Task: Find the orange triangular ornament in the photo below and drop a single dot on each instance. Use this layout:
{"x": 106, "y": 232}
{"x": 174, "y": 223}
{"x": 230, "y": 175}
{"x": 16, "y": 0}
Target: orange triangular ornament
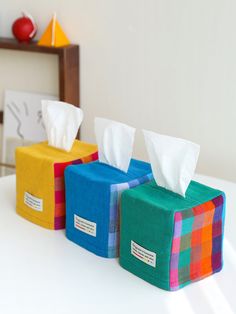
{"x": 53, "y": 35}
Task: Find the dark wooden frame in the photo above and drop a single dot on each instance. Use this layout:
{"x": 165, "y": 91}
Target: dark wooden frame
{"x": 68, "y": 62}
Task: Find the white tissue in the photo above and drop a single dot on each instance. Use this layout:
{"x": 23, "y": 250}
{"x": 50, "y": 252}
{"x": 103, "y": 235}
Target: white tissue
{"x": 115, "y": 143}
{"x": 62, "y": 121}
{"x": 173, "y": 160}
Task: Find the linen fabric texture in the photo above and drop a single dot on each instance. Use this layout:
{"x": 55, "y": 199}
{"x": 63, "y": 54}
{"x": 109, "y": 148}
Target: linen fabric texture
{"x": 40, "y": 174}
{"x": 185, "y": 234}
{"x": 92, "y": 201}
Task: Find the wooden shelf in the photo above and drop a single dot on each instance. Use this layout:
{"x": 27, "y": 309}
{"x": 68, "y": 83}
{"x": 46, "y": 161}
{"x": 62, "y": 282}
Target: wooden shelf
{"x": 13, "y": 44}
{"x": 68, "y": 62}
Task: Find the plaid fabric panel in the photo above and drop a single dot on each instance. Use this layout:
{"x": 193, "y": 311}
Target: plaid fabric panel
{"x": 197, "y": 243}
{"x": 59, "y": 184}
{"x": 114, "y": 227}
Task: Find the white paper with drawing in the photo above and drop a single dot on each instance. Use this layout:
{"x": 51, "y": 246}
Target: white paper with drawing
{"x": 23, "y": 122}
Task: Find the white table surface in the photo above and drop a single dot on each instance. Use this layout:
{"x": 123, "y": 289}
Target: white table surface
{"x": 42, "y": 272}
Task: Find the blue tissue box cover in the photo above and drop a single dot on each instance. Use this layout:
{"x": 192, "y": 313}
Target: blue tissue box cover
{"x": 92, "y": 203}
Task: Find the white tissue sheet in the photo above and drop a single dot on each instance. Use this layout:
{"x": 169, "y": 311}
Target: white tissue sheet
{"x": 173, "y": 160}
{"x": 115, "y": 143}
{"x": 62, "y": 122}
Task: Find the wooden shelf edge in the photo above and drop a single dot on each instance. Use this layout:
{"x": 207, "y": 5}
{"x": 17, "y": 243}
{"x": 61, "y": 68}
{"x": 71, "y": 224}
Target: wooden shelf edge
{"x": 13, "y": 44}
{"x": 7, "y": 165}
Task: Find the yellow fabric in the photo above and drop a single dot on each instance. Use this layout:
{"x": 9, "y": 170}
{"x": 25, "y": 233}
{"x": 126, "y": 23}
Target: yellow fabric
{"x": 35, "y": 175}
{"x": 60, "y": 38}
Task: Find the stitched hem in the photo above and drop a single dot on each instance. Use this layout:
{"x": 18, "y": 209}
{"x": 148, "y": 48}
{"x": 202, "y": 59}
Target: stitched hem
{"x": 189, "y": 281}
{"x": 87, "y": 245}
{"x": 163, "y": 284}
{"x": 35, "y": 220}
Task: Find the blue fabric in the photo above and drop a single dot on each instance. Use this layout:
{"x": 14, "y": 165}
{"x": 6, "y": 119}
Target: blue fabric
{"x": 88, "y": 195}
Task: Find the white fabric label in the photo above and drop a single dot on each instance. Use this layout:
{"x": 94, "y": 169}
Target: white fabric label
{"x": 85, "y": 225}
{"x": 143, "y": 255}
{"x": 33, "y": 202}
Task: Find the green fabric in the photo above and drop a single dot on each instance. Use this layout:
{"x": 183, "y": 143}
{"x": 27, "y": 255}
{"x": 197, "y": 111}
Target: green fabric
{"x": 147, "y": 218}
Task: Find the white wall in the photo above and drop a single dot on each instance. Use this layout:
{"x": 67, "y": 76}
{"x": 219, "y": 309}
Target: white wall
{"x": 164, "y": 65}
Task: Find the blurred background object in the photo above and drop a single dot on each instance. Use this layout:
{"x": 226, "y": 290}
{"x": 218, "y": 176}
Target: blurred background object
{"x": 24, "y": 28}
{"x": 23, "y": 123}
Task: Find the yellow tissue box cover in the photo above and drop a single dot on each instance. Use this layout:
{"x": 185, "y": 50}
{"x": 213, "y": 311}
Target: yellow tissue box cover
{"x": 40, "y": 189}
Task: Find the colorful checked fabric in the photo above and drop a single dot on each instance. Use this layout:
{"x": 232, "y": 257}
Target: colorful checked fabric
{"x": 59, "y": 184}
{"x": 197, "y": 243}
{"x": 114, "y": 226}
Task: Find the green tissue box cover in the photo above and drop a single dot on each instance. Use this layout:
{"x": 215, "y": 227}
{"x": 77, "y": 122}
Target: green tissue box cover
{"x": 168, "y": 240}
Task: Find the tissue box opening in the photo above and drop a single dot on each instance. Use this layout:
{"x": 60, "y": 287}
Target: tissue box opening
{"x": 170, "y": 241}
{"x": 40, "y": 181}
